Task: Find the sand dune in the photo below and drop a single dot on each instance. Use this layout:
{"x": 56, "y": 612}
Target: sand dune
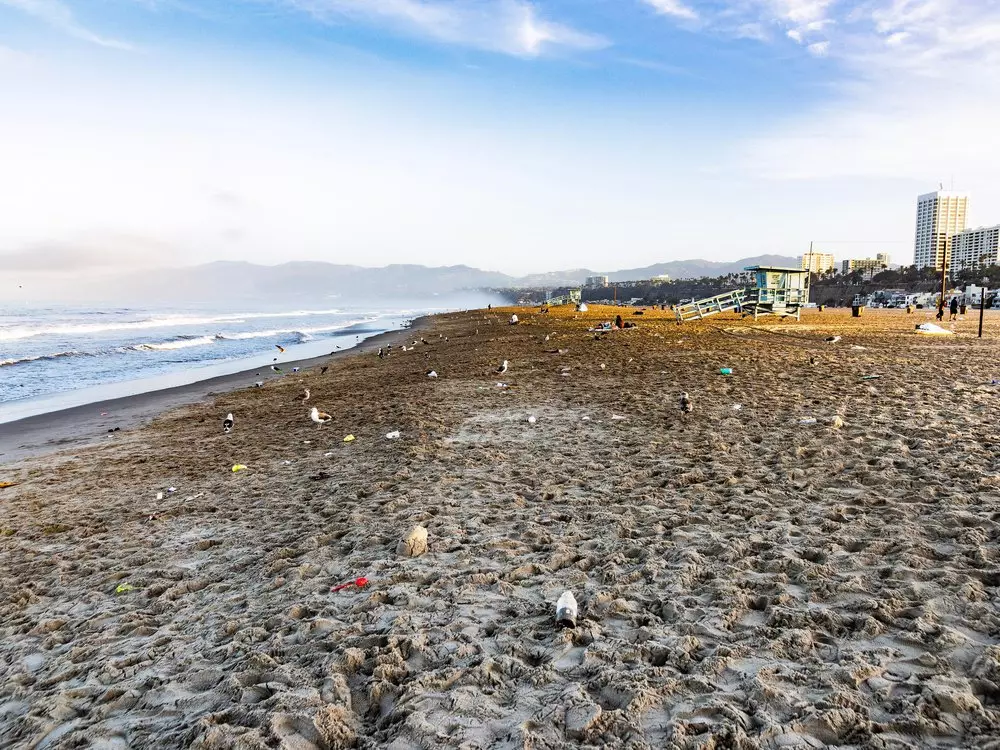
{"x": 744, "y": 580}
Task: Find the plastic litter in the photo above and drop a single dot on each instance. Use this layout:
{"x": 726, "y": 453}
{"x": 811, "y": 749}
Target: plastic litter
{"x": 933, "y": 329}
{"x": 737, "y": 407}
{"x": 359, "y": 582}
{"x": 725, "y": 370}
{"x": 808, "y": 420}
{"x": 349, "y": 439}
{"x": 122, "y": 588}
{"x": 392, "y": 435}
{"x": 871, "y": 377}
{"x": 159, "y": 495}
{"x": 238, "y": 467}
{"x": 286, "y": 463}
{"x": 327, "y": 455}
{"x": 566, "y": 610}
{"x": 531, "y": 419}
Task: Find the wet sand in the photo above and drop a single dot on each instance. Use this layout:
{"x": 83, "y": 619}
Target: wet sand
{"x": 745, "y": 580}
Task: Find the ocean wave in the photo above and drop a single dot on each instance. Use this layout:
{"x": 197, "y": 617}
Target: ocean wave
{"x": 40, "y": 357}
{"x": 182, "y": 343}
{"x": 15, "y": 333}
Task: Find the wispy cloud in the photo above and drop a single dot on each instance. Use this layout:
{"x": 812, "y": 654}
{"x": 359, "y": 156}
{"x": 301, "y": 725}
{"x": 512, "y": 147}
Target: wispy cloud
{"x": 60, "y": 16}
{"x": 512, "y": 27}
{"x": 674, "y": 8}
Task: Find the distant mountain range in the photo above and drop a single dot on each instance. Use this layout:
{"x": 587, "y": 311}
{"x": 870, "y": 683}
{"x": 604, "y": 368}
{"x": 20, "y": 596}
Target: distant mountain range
{"x": 316, "y": 280}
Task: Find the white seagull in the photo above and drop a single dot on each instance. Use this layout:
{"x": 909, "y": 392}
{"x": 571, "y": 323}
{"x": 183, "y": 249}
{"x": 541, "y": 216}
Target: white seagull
{"x": 319, "y": 417}
{"x": 502, "y": 368}
{"x": 228, "y": 422}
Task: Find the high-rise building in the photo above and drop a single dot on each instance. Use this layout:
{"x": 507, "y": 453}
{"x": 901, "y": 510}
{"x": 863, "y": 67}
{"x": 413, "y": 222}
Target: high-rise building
{"x": 939, "y": 216}
{"x": 883, "y": 258}
{"x": 596, "y": 282}
{"x": 873, "y": 265}
{"x": 975, "y": 248}
{"x": 817, "y": 262}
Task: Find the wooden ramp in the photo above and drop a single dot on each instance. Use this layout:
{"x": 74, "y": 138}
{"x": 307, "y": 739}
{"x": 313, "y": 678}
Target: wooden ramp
{"x": 702, "y": 308}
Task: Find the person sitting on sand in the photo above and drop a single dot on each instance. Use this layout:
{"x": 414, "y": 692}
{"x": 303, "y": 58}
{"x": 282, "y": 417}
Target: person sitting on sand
{"x": 954, "y": 308}
{"x": 618, "y": 322}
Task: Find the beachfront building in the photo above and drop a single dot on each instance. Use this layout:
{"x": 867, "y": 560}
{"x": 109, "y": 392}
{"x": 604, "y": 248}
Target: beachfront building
{"x": 818, "y": 262}
{"x": 882, "y": 258}
{"x": 866, "y": 265}
{"x": 596, "y": 282}
{"x": 940, "y": 215}
{"x": 975, "y": 248}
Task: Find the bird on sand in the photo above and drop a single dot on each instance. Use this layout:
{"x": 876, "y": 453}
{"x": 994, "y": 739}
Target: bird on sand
{"x": 279, "y": 348}
{"x": 305, "y": 396}
{"x": 686, "y": 405}
{"x": 228, "y": 422}
{"x": 323, "y": 369}
{"x": 503, "y": 367}
{"x": 319, "y": 417}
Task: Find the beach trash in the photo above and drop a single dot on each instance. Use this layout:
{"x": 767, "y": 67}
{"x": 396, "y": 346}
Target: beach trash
{"x": 603, "y": 366}
{"x": 394, "y": 435}
{"x": 159, "y": 495}
{"x": 413, "y": 544}
{"x": 725, "y": 370}
{"x": 836, "y": 423}
{"x": 349, "y": 438}
{"x": 933, "y": 329}
{"x": 531, "y": 419}
{"x": 566, "y": 610}
{"x": 4, "y": 485}
{"x": 871, "y": 377}
{"x": 807, "y": 420}
{"x": 737, "y": 407}
{"x": 359, "y": 582}
{"x": 238, "y": 467}
{"x": 123, "y": 588}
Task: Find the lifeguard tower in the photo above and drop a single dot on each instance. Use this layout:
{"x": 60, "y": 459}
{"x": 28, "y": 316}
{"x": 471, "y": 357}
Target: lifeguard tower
{"x": 778, "y": 291}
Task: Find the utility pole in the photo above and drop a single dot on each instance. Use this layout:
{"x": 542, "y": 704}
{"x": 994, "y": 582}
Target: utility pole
{"x": 944, "y": 278}
{"x": 982, "y": 306}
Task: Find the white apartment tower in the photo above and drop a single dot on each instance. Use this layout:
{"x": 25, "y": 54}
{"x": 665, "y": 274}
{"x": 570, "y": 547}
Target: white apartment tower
{"x": 975, "y": 248}
{"x": 939, "y": 216}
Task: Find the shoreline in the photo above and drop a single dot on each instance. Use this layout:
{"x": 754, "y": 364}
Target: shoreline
{"x": 90, "y": 424}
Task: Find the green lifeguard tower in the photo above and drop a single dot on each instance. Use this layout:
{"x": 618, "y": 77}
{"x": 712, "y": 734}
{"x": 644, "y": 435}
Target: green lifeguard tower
{"x": 777, "y": 291}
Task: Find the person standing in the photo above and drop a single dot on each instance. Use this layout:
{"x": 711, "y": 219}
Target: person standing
{"x": 954, "y": 308}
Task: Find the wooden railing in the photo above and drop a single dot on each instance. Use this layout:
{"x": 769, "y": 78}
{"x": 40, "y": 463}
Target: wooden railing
{"x": 702, "y": 308}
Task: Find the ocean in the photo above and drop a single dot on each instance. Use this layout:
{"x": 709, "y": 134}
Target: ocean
{"x": 61, "y": 356}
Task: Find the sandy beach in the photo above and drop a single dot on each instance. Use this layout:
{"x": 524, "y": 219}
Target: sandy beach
{"x": 809, "y": 559}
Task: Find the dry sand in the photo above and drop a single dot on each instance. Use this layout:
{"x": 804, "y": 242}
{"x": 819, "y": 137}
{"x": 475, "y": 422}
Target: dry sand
{"x": 744, "y": 580}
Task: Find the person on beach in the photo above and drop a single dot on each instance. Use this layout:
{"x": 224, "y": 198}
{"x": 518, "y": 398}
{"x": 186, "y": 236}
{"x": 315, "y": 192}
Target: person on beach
{"x": 618, "y": 322}
{"x": 940, "y": 312}
{"x": 954, "y": 308}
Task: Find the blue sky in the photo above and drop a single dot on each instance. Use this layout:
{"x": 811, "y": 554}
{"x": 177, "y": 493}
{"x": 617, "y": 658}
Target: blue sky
{"x": 505, "y": 134}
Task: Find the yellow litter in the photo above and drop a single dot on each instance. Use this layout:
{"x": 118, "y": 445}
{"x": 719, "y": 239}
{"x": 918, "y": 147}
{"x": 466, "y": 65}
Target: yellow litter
{"x": 349, "y": 439}
{"x": 238, "y": 467}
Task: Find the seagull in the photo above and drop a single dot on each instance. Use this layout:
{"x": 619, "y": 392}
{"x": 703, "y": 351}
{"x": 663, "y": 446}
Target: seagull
{"x": 305, "y": 397}
{"x": 431, "y": 374}
{"x": 319, "y": 417}
{"x": 502, "y": 368}
{"x": 276, "y": 369}
{"x": 280, "y": 348}
{"x": 227, "y": 423}
{"x": 259, "y": 384}
{"x": 686, "y": 406}
{"x": 323, "y": 369}
{"x": 832, "y": 339}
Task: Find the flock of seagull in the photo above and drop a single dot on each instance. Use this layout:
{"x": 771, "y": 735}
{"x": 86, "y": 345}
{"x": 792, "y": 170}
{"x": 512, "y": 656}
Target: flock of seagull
{"x": 321, "y": 417}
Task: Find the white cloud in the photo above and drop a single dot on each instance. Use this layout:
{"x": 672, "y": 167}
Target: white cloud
{"x": 673, "y": 8}
{"x": 819, "y": 49}
{"x": 512, "y": 27}
{"x": 60, "y": 16}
